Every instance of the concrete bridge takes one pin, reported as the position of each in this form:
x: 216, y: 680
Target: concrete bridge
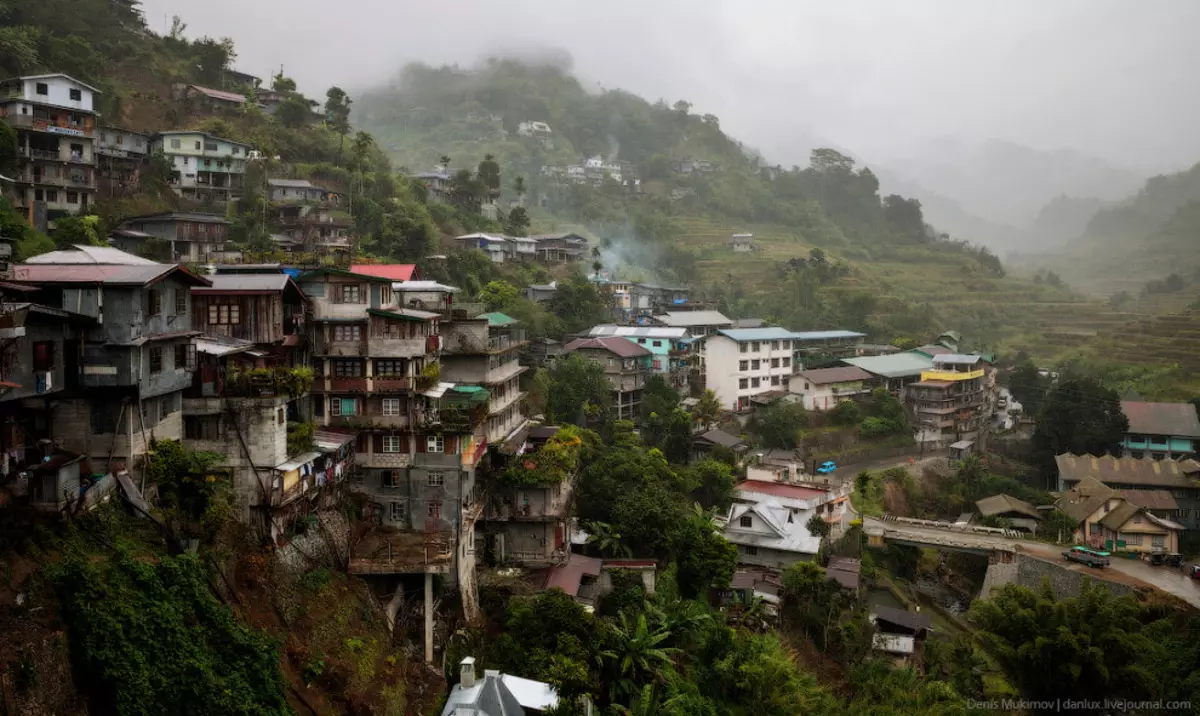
x: 998, y: 544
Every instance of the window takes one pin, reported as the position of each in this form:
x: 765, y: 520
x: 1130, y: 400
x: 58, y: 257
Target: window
x: 385, y: 295
x: 347, y: 333
x: 752, y: 551
x: 219, y: 314
x: 43, y: 355
x: 181, y: 301
x: 39, y: 195
x: 389, y: 369
x: 743, y: 365
x: 343, y: 407
x: 754, y: 346
x: 435, y: 509
x: 347, y: 369
x: 774, y: 362
x: 1135, y: 540
x: 236, y: 151
x: 742, y: 347
x: 279, y: 417
x: 391, y: 407
x: 787, y: 362
x: 42, y: 88
x: 72, y: 197
x: 105, y: 417
x: 210, y: 146
x: 774, y: 380
x: 391, y: 443
x: 185, y: 356
x: 1158, y: 541
x: 435, y: 443
x: 1096, y: 528
x: 76, y: 95
x: 743, y: 384
x: 658, y: 344
x: 52, y: 196
x: 197, y: 145
x: 175, y: 144
x: 155, y: 302
x: 351, y: 294
x: 755, y: 364
x: 396, y: 511
x: 156, y: 359
x: 201, y: 427
x: 185, y: 163
x: 746, y: 521
x: 436, y: 479
x: 391, y: 478
x: 754, y: 382
x: 774, y: 345
x: 319, y: 408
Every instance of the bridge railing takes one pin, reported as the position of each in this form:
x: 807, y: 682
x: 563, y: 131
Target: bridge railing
x: 958, y: 527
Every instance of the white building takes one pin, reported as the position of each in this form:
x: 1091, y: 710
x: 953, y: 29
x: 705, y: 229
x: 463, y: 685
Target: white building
x: 742, y: 243
x: 743, y: 362
x: 539, y: 130
x: 698, y: 323
x: 824, y: 388
x: 54, y: 117
x: 768, y: 522
x: 203, y: 166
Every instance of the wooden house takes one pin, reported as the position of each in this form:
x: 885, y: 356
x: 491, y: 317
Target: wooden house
x: 266, y: 309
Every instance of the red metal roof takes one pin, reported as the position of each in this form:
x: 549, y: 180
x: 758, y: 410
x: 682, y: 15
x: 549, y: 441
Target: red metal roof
x: 394, y: 272
x: 795, y: 492
x: 568, y: 576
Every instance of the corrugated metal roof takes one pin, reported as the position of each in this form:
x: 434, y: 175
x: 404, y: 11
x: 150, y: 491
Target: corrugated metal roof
x: 495, y: 318
x: 295, y: 462
x: 622, y: 347
x: 331, y: 440
x: 773, y: 333
x: 694, y: 318
x: 823, y: 335
x: 108, y: 274
x: 247, y: 282
x: 222, y: 346
x: 825, y: 376
x: 392, y: 272
x: 896, y: 365
x: 1173, y: 419
x: 91, y: 255
x: 1001, y: 504
x: 293, y: 184
x: 639, y: 331
x: 531, y: 694
x: 192, y: 216
x: 957, y: 359
x: 219, y: 94
x: 418, y: 286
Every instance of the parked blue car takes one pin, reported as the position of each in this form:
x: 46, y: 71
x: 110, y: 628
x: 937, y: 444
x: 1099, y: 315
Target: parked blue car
x: 827, y: 467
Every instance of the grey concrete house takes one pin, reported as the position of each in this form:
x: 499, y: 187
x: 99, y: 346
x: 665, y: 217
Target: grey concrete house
x: 626, y: 364
x: 486, y: 350
x: 529, y: 524
x: 188, y: 237
x: 137, y: 358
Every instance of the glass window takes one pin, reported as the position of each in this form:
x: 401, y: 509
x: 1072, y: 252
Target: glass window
x: 743, y: 384
x: 435, y: 443
x: 746, y: 521
x: 347, y: 369
x: 155, y: 302
x: 72, y: 197
x: 343, y: 406
x: 391, y: 407
x: 389, y: 368
x: 787, y: 362
x: 742, y: 347
x: 347, y: 333
x: 1157, y: 541
x: 42, y: 88
x: 221, y: 314
x: 210, y: 146
x: 391, y: 443
x: 755, y: 382
x: 185, y: 356
x: 743, y: 365
x: 774, y: 380
x: 755, y: 364
x: 351, y: 294
x: 396, y: 510
x: 52, y: 196
x: 156, y: 359
x: 658, y: 344
x: 435, y: 509
x: 175, y: 144
x: 436, y: 479
x: 76, y: 95
x: 774, y: 362
x: 197, y: 145
x: 391, y: 478
x: 754, y: 346
x: 752, y: 551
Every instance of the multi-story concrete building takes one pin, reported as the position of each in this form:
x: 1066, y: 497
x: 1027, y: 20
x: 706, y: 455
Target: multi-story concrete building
x: 486, y: 351
x: 137, y: 358
x: 1160, y: 430
x: 670, y: 348
x: 203, y: 167
x: 55, y: 119
x: 528, y: 523
x: 183, y: 237
x: 740, y: 363
x: 120, y: 154
x: 626, y: 365
x: 951, y: 402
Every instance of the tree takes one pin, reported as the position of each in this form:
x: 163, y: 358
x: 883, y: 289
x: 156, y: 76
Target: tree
x: 499, y: 295
x: 845, y: 413
x: 519, y: 188
x: 488, y: 172
x: 72, y: 230
x: 1028, y: 386
x: 1079, y: 416
x: 817, y: 527
x: 9, y: 156
x: 708, y: 409
x: 1090, y: 646
x: 213, y: 57
x: 779, y: 424
x: 279, y: 83
x: 637, y: 655
x: 712, y: 483
x: 705, y: 558
x: 579, y: 303
x: 517, y: 222
x: 578, y: 390
x: 606, y: 540
x: 294, y: 112
x: 337, y: 114
x: 827, y: 161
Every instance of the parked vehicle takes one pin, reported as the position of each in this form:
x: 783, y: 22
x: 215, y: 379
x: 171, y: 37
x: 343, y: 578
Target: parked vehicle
x: 1088, y: 556
x: 1194, y: 571
x: 1171, y: 560
x: 827, y: 467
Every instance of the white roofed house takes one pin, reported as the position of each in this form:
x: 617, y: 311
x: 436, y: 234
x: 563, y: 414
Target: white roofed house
x: 54, y: 117
x: 768, y: 522
x: 670, y: 348
x: 824, y: 388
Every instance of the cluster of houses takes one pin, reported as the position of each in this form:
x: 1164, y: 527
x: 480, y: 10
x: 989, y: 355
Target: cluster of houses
x: 594, y: 171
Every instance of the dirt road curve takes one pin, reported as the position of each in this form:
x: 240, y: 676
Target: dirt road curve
x: 1133, y: 572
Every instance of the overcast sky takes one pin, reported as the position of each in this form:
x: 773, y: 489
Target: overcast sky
x: 880, y: 77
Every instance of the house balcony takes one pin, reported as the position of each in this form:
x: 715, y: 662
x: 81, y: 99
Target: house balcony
x: 66, y: 182
x: 391, y: 385
x: 380, y: 347
x: 345, y: 349
x: 59, y: 126
x: 325, y: 310
x: 344, y: 385
x: 43, y: 155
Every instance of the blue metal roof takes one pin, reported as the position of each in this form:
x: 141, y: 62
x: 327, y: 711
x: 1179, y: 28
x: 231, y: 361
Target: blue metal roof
x: 822, y: 335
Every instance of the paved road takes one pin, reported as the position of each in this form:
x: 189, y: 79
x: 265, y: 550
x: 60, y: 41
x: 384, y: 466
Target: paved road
x: 937, y: 537
x: 1128, y: 571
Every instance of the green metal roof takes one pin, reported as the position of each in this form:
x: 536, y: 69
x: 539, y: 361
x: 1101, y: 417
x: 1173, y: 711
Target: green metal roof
x: 896, y: 365
x: 466, y: 395
x: 495, y: 318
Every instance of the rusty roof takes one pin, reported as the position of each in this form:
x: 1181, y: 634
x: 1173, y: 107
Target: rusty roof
x: 845, y: 374
x: 1175, y: 419
x: 621, y: 347
x: 109, y: 274
x: 1111, y: 470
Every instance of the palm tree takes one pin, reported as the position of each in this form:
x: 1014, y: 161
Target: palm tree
x: 638, y: 657
x: 444, y: 160
x: 596, y: 264
x: 606, y: 539
x: 708, y: 409
x: 519, y: 187
x: 750, y: 614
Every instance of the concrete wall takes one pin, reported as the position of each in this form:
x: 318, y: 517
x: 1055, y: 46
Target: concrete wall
x: 773, y: 558
x: 73, y: 430
x: 21, y: 366
x: 257, y: 423
x: 1030, y: 572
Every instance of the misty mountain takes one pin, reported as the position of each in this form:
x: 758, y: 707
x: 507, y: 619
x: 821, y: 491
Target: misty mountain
x: 1007, y: 183
x: 1066, y: 217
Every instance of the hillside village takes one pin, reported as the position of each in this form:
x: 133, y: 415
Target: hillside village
x: 453, y: 455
